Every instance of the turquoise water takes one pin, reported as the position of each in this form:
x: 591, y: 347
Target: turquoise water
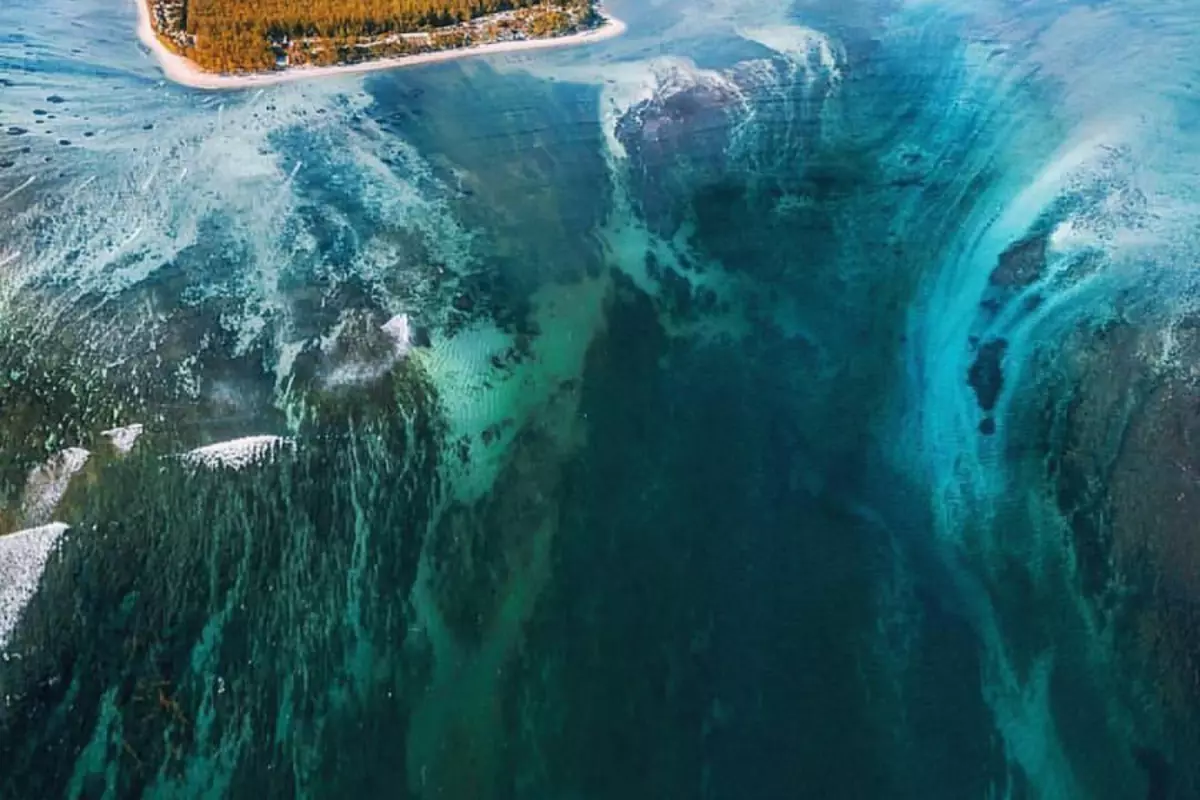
x: 768, y: 403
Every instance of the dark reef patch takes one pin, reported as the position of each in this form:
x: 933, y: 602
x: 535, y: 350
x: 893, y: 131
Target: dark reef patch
x: 1022, y: 263
x: 986, y: 375
x: 1121, y: 431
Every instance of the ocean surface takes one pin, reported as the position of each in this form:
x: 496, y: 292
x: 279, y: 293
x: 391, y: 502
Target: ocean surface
x: 779, y: 401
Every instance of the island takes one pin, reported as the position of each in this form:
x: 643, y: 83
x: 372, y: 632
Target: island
x: 238, y: 43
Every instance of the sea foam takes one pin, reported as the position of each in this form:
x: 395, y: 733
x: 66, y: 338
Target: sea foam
x: 236, y: 453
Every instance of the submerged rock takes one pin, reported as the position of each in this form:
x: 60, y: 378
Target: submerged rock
x: 1022, y: 263
x: 986, y: 376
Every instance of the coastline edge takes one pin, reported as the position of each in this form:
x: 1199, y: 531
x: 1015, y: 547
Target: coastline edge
x: 181, y: 70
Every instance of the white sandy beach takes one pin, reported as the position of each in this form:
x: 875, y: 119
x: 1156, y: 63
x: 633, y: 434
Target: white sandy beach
x: 184, y: 72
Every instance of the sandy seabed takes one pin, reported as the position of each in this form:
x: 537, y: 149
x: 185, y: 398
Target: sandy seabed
x: 185, y: 72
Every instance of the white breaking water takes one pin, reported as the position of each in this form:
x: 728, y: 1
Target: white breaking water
x: 48, y: 483
x: 23, y: 557
x: 236, y: 453
x: 123, y: 439
x: 400, y: 332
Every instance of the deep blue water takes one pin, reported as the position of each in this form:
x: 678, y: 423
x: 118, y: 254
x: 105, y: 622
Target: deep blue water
x: 790, y: 403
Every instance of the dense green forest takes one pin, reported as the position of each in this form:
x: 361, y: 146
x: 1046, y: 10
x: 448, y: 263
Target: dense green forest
x: 257, y: 35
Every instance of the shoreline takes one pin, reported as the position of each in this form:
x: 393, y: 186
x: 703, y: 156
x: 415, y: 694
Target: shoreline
x: 180, y: 70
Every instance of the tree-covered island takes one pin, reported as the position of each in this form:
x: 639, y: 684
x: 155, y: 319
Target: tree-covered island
x: 251, y: 36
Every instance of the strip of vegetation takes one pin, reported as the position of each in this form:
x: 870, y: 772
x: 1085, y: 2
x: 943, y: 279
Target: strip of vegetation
x: 240, y: 36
